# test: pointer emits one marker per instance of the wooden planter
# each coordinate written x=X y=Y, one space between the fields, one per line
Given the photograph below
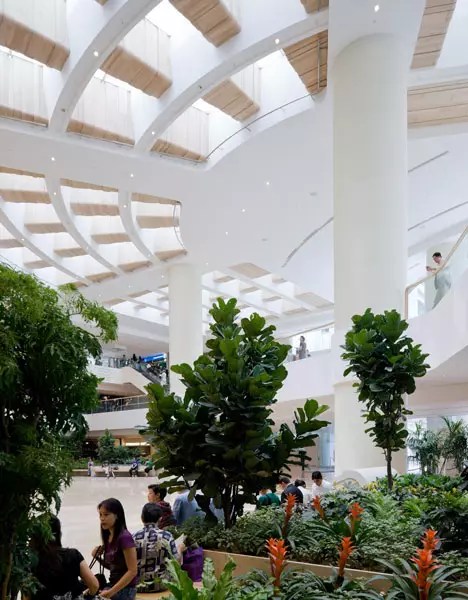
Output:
x=245 y=564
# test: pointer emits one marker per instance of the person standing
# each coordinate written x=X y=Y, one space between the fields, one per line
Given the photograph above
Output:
x=320 y=486
x=302 y=348
x=289 y=488
x=90 y=466
x=58 y=569
x=119 y=551
x=154 y=547
x=267 y=498
x=156 y=494
x=442 y=279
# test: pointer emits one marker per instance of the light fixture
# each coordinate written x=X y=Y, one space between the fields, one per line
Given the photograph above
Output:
x=206 y=264
x=131 y=175
x=125 y=206
x=277 y=41
x=153 y=133
x=267 y=183
x=243 y=210
x=377 y=8
x=52 y=158
x=96 y=53
x=55 y=193
x=22 y=239
x=162 y=276
x=226 y=233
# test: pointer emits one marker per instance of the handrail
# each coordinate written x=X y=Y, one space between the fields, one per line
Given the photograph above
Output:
x=436 y=271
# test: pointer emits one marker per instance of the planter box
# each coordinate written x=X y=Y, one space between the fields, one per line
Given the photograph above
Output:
x=246 y=564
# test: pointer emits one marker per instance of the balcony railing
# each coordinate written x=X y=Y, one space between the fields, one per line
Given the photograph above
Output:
x=119 y=404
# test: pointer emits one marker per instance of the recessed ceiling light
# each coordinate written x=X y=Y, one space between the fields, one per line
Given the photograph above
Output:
x=22 y=239
x=162 y=276
x=125 y=206
x=206 y=264
x=267 y=183
x=55 y=193
x=96 y=53
x=131 y=175
x=52 y=158
x=377 y=8
x=277 y=41
x=243 y=210
x=226 y=233
x=153 y=133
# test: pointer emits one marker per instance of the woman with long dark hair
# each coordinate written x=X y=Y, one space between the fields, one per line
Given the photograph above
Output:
x=119 y=551
x=58 y=569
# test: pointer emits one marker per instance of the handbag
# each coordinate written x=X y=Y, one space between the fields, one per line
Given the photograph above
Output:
x=99 y=576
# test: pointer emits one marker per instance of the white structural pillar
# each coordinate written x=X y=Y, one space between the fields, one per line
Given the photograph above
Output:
x=369 y=79
x=185 y=319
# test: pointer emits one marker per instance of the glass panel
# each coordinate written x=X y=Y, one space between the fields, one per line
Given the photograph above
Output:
x=426 y=295
x=314 y=341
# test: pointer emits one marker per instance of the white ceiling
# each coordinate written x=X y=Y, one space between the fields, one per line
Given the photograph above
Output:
x=263 y=193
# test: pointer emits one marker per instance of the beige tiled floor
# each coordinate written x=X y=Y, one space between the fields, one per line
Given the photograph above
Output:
x=79 y=517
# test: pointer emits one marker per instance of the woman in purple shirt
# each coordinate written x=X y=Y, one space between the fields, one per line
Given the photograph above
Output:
x=119 y=551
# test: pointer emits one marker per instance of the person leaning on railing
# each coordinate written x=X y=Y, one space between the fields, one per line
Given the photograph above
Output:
x=442 y=279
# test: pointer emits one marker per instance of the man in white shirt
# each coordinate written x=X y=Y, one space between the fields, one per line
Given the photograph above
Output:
x=320 y=486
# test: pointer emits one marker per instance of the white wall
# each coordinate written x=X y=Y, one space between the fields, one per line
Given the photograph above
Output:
x=308 y=378
x=119 y=420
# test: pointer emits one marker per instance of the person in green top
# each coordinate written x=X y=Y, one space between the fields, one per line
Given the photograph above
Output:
x=267 y=498
x=149 y=466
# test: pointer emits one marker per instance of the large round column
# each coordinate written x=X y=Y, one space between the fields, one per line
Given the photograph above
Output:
x=185 y=319
x=369 y=80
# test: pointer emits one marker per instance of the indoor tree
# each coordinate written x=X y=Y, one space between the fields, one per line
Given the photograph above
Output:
x=220 y=438
x=427 y=448
x=386 y=363
x=45 y=388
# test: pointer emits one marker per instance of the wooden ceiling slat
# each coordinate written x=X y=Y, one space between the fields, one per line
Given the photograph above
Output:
x=19 y=115
x=75 y=126
x=232 y=100
x=127 y=67
x=86 y=186
x=148 y=199
x=97 y=277
x=210 y=17
x=165 y=255
x=89 y=210
x=135 y=266
x=110 y=238
x=25 y=196
x=250 y=270
x=434 y=26
x=41 y=228
x=19 y=172
x=20 y=38
x=155 y=222
x=70 y=252
x=312 y=6
x=10 y=243
x=438 y=104
x=309 y=58
x=176 y=150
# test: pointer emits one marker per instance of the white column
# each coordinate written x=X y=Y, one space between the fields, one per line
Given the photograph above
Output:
x=185 y=319
x=370 y=203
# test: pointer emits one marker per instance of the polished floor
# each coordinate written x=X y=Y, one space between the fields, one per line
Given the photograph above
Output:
x=79 y=516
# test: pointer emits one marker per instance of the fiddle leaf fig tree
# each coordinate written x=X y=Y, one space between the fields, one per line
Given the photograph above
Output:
x=386 y=362
x=220 y=438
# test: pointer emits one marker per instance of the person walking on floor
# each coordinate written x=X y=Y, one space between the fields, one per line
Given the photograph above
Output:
x=119 y=555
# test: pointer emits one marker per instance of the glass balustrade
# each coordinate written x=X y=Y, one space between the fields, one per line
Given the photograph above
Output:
x=119 y=404
x=425 y=294
x=314 y=340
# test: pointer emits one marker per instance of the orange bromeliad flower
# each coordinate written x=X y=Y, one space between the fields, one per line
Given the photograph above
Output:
x=318 y=507
x=430 y=540
x=277 y=552
x=355 y=512
x=345 y=552
x=289 y=507
x=426 y=564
